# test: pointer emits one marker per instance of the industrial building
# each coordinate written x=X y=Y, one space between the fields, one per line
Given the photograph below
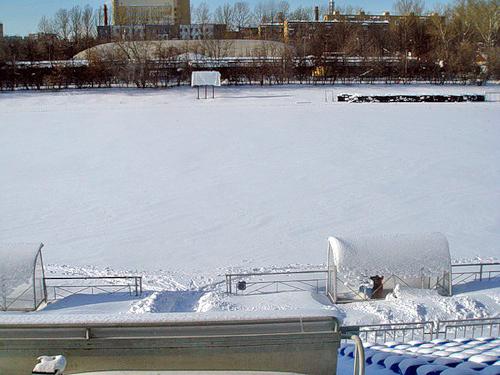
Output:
x=151 y=12
x=155 y=20
x=287 y=30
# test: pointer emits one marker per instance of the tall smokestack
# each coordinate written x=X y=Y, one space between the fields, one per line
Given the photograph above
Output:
x=316 y=14
x=106 y=21
x=331 y=7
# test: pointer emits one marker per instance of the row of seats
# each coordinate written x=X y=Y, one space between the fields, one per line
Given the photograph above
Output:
x=437 y=357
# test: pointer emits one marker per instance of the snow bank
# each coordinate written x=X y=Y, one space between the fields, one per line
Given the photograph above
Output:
x=165 y=318
x=405 y=255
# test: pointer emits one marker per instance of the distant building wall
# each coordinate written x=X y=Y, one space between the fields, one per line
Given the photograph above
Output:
x=202 y=31
x=151 y=12
x=1 y=30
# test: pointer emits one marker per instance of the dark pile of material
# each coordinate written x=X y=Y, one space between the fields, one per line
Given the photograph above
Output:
x=410 y=98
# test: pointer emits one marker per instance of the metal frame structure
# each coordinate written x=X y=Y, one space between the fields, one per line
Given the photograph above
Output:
x=37 y=302
x=206 y=92
x=441 y=281
x=426 y=331
x=469 y=328
x=107 y=284
x=296 y=281
x=291 y=284
x=401 y=332
x=475 y=272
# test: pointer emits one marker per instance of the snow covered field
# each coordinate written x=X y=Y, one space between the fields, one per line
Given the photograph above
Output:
x=184 y=190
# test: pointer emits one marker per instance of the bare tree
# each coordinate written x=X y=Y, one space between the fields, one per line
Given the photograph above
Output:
x=88 y=22
x=406 y=7
x=242 y=14
x=75 y=19
x=45 y=26
x=301 y=14
x=62 y=23
x=260 y=13
x=202 y=13
x=485 y=17
x=283 y=8
x=224 y=14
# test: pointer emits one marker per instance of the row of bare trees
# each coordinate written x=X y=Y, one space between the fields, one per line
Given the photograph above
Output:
x=460 y=42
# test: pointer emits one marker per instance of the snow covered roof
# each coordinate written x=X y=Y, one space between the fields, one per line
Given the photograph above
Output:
x=18 y=258
x=405 y=255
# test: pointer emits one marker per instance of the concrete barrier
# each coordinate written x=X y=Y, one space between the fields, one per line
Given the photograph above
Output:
x=297 y=345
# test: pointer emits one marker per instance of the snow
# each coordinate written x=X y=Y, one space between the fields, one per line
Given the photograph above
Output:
x=405 y=255
x=156 y=180
x=50 y=365
x=182 y=296
x=415 y=305
x=156 y=183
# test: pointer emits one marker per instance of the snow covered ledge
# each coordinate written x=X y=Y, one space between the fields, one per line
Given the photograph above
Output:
x=411 y=260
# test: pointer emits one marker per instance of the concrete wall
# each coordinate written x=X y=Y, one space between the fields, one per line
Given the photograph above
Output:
x=304 y=347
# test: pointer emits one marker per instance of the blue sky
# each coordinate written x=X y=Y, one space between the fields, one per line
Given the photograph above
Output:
x=20 y=17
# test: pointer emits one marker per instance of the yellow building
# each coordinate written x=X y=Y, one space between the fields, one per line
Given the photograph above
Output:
x=151 y=12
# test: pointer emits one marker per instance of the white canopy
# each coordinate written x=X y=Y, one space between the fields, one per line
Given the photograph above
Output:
x=208 y=78
x=21 y=276
x=405 y=255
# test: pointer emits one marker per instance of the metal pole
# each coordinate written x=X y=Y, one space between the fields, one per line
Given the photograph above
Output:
x=481 y=272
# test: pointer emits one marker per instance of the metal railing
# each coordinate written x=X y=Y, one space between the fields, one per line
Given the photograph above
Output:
x=426 y=331
x=275 y=282
x=470 y=328
x=400 y=332
x=463 y=273
x=294 y=281
x=62 y=287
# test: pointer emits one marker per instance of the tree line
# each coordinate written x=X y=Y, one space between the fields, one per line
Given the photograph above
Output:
x=454 y=43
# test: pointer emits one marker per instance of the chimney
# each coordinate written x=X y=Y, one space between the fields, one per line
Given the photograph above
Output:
x=331 y=7
x=106 y=21
x=316 y=13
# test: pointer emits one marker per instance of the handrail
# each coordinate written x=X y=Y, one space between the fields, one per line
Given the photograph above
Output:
x=275 y=273
x=438 y=329
x=475 y=264
x=134 y=283
x=481 y=274
x=127 y=323
x=359 y=356
x=93 y=278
